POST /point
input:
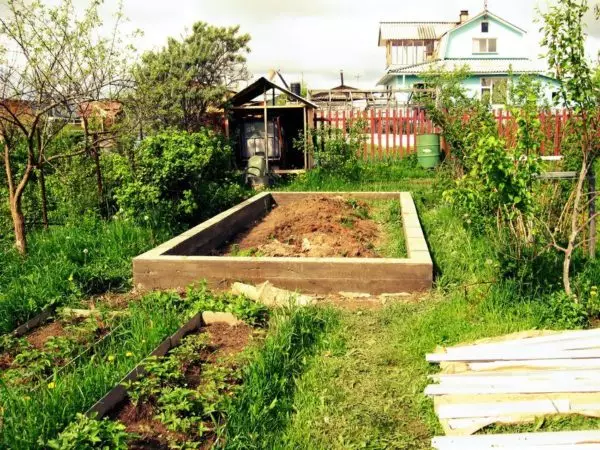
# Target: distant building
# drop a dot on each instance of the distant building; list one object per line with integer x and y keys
{"x": 488, "y": 45}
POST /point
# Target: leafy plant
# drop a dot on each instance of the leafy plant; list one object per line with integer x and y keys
{"x": 158, "y": 373}
{"x": 87, "y": 434}
{"x": 252, "y": 312}
{"x": 178, "y": 178}
{"x": 564, "y": 312}
{"x": 336, "y": 150}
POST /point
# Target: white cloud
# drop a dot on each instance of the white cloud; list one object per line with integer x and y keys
{"x": 317, "y": 38}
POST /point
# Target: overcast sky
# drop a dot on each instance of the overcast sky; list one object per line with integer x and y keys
{"x": 314, "y": 39}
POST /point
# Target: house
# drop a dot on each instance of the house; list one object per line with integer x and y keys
{"x": 488, "y": 45}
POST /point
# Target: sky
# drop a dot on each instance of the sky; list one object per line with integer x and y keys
{"x": 312, "y": 40}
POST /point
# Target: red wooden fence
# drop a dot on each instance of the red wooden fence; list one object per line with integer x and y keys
{"x": 392, "y": 133}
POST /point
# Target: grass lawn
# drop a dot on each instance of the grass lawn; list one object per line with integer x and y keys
{"x": 364, "y": 390}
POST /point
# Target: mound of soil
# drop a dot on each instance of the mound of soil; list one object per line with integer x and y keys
{"x": 316, "y": 226}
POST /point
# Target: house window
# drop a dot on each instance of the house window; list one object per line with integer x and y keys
{"x": 484, "y": 45}
{"x": 485, "y": 26}
{"x": 494, "y": 90}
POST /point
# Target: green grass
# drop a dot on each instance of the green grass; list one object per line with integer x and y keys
{"x": 364, "y": 389}
{"x": 264, "y": 404}
{"x": 32, "y": 415}
{"x": 388, "y": 214}
{"x": 66, "y": 264}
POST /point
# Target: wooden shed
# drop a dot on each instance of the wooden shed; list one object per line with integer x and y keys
{"x": 268, "y": 118}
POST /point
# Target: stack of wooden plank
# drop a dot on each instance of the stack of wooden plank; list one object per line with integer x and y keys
{"x": 516, "y": 378}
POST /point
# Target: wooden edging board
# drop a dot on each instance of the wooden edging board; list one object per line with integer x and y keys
{"x": 180, "y": 261}
{"x": 119, "y": 393}
{"x": 34, "y": 322}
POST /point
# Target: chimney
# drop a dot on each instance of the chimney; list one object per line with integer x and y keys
{"x": 342, "y": 77}
{"x": 464, "y": 16}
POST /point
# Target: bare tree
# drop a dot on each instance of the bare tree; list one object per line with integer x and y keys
{"x": 564, "y": 38}
{"x": 54, "y": 60}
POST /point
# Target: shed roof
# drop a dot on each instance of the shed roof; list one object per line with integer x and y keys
{"x": 259, "y": 87}
{"x": 396, "y": 31}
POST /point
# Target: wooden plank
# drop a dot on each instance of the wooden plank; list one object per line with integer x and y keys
{"x": 35, "y": 321}
{"x": 394, "y": 132}
{"x": 537, "y": 407}
{"x": 118, "y": 394}
{"x": 523, "y": 388}
{"x": 379, "y": 138}
{"x": 474, "y": 377}
{"x": 372, "y": 118}
{"x": 387, "y": 132}
{"x": 538, "y": 438}
{"x": 516, "y": 354}
{"x": 563, "y": 338}
{"x": 592, "y": 363}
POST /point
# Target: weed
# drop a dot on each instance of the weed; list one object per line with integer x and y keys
{"x": 251, "y": 312}
{"x": 265, "y": 401}
{"x": 87, "y": 434}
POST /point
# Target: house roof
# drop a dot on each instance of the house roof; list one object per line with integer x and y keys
{"x": 477, "y": 66}
{"x": 259, "y": 87}
{"x": 486, "y": 13}
{"x": 396, "y": 31}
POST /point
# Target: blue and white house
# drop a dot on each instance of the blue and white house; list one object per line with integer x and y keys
{"x": 488, "y": 45}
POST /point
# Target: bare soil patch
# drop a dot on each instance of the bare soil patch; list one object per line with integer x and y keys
{"x": 38, "y": 337}
{"x": 317, "y": 226}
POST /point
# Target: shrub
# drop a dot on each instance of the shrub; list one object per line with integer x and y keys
{"x": 178, "y": 178}
{"x": 335, "y": 150}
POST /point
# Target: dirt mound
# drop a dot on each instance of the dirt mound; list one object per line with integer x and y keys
{"x": 316, "y": 226}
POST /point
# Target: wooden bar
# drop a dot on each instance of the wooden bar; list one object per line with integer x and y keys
{"x": 394, "y": 132}
{"x": 118, "y": 394}
{"x": 387, "y": 134}
{"x": 163, "y": 268}
{"x": 379, "y": 131}
{"x": 372, "y": 118}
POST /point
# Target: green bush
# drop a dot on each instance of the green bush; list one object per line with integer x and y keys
{"x": 178, "y": 178}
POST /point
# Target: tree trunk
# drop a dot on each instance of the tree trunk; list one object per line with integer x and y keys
{"x": 42, "y": 180}
{"x": 99, "y": 183}
{"x": 592, "y": 208}
{"x": 19, "y": 225}
{"x": 574, "y": 227}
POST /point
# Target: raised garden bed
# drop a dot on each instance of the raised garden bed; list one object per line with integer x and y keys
{"x": 353, "y": 246}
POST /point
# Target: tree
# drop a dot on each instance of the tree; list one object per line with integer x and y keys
{"x": 54, "y": 60}
{"x": 177, "y": 85}
{"x": 564, "y": 38}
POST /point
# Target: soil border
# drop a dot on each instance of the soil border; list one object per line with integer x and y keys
{"x": 175, "y": 264}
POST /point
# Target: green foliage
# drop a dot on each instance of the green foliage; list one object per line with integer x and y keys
{"x": 68, "y": 263}
{"x": 264, "y": 403}
{"x": 34, "y": 414}
{"x": 460, "y": 116}
{"x": 158, "y": 373}
{"x": 179, "y": 83}
{"x": 335, "y": 150}
{"x": 251, "y": 312}
{"x": 564, "y": 38}
{"x": 87, "y": 434}
{"x": 563, "y": 311}
{"x": 178, "y": 178}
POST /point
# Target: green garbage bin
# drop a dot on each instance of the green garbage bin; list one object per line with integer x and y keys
{"x": 428, "y": 150}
